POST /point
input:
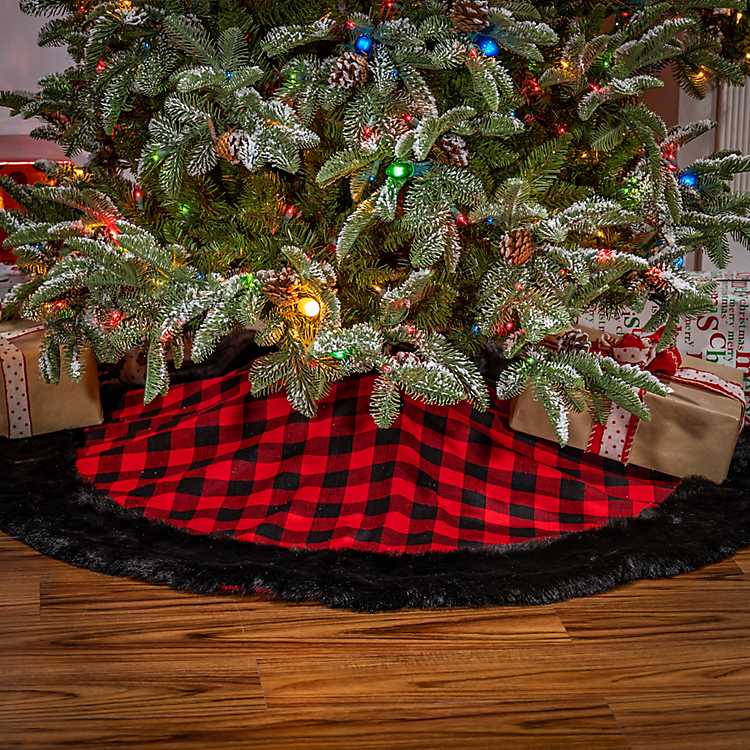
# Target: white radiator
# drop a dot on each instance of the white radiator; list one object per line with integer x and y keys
{"x": 734, "y": 125}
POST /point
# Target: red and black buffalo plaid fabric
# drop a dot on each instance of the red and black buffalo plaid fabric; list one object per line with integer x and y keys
{"x": 211, "y": 458}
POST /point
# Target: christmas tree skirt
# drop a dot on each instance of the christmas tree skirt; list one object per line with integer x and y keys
{"x": 212, "y": 490}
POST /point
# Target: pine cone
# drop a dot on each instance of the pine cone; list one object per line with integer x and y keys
{"x": 133, "y": 367}
{"x": 228, "y": 145}
{"x": 394, "y": 127}
{"x": 278, "y": 286}
{"x": 348, "y": 71}
{"x": 59, "y": 118}
{"x": 517, "y": 247}
{"x": 451, "y": 149}
{"x": 574, "y": 340}
{"x": 470, "y": 15}
{"x": 656, "y": 279}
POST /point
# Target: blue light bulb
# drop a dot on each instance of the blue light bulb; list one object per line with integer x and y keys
{"x": 679, "y": 263}
{"x": 689, "y": 179}
{"x": 489, "y": 47}
{"x": 229, "y": 75}
{"x": 476, "y": 329}
{"x": 363, "y": 44}
{"x": 490, "y": 220}
{"x": 146, "y": 45}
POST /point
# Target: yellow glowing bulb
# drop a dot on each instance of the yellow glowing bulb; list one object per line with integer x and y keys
{"x": 747, "y": 56}
{"x": 564, "y": 64}
{"x": 740, "y": 16}
{"x": 79, "y": 173}
{"x": 377, "y": 288}
{"x": 309, "y": 307}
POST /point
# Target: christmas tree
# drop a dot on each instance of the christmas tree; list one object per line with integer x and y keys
{"x": 388, "y": 187}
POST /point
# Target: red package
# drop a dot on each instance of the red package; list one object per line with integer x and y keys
{"x": 18, "y": 154}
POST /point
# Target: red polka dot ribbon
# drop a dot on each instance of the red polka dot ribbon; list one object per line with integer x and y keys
{"x": 13, "y": 369}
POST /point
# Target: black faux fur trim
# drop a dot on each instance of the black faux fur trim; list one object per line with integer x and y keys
{"x": 44, "y": 503}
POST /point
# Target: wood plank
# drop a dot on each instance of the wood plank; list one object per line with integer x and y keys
{"x": 19, "y": 585}
{"x": 94, "y": 612}
{"x": 567, "y": 723}
{"x": 19, "y": 602}
{"x": 18, "y": 558}
{"x": 742, "y": 559}
{"x": 66, "y": 698}
{"x": 604, "y": 668}
{"x": 18, "y": 591}
{"x": 583, "y": 722}
{"x": 712, "y": 604}
{"x": 689, "y": 722}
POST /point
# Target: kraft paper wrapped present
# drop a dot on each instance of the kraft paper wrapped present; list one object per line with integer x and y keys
{"x": 720, "y": 336}
{"x": 28, "y": 405}
{"x": 692, "y": 432}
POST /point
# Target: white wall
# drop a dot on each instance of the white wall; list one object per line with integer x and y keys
{"x": 22, "y": 63}
{"x": 711, "y": 108}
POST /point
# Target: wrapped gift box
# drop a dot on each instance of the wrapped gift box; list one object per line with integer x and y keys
{"x": 18, "y": 155}
{"x": 692, "y": 432}
{"x": 10, "y": 277}
{"x": 28, "y": 405}
{"x": 721, "y": 336}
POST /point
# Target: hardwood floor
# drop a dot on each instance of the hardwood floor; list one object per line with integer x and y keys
{"x": 88, "y": 661}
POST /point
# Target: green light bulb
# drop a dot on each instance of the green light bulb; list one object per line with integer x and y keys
{"x": 400, "y": 170}
{"x": 184, "y": 209}
{"x": 340, "y": 354}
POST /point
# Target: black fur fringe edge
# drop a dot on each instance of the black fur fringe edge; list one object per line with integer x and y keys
{"x": 44, "y": 503}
